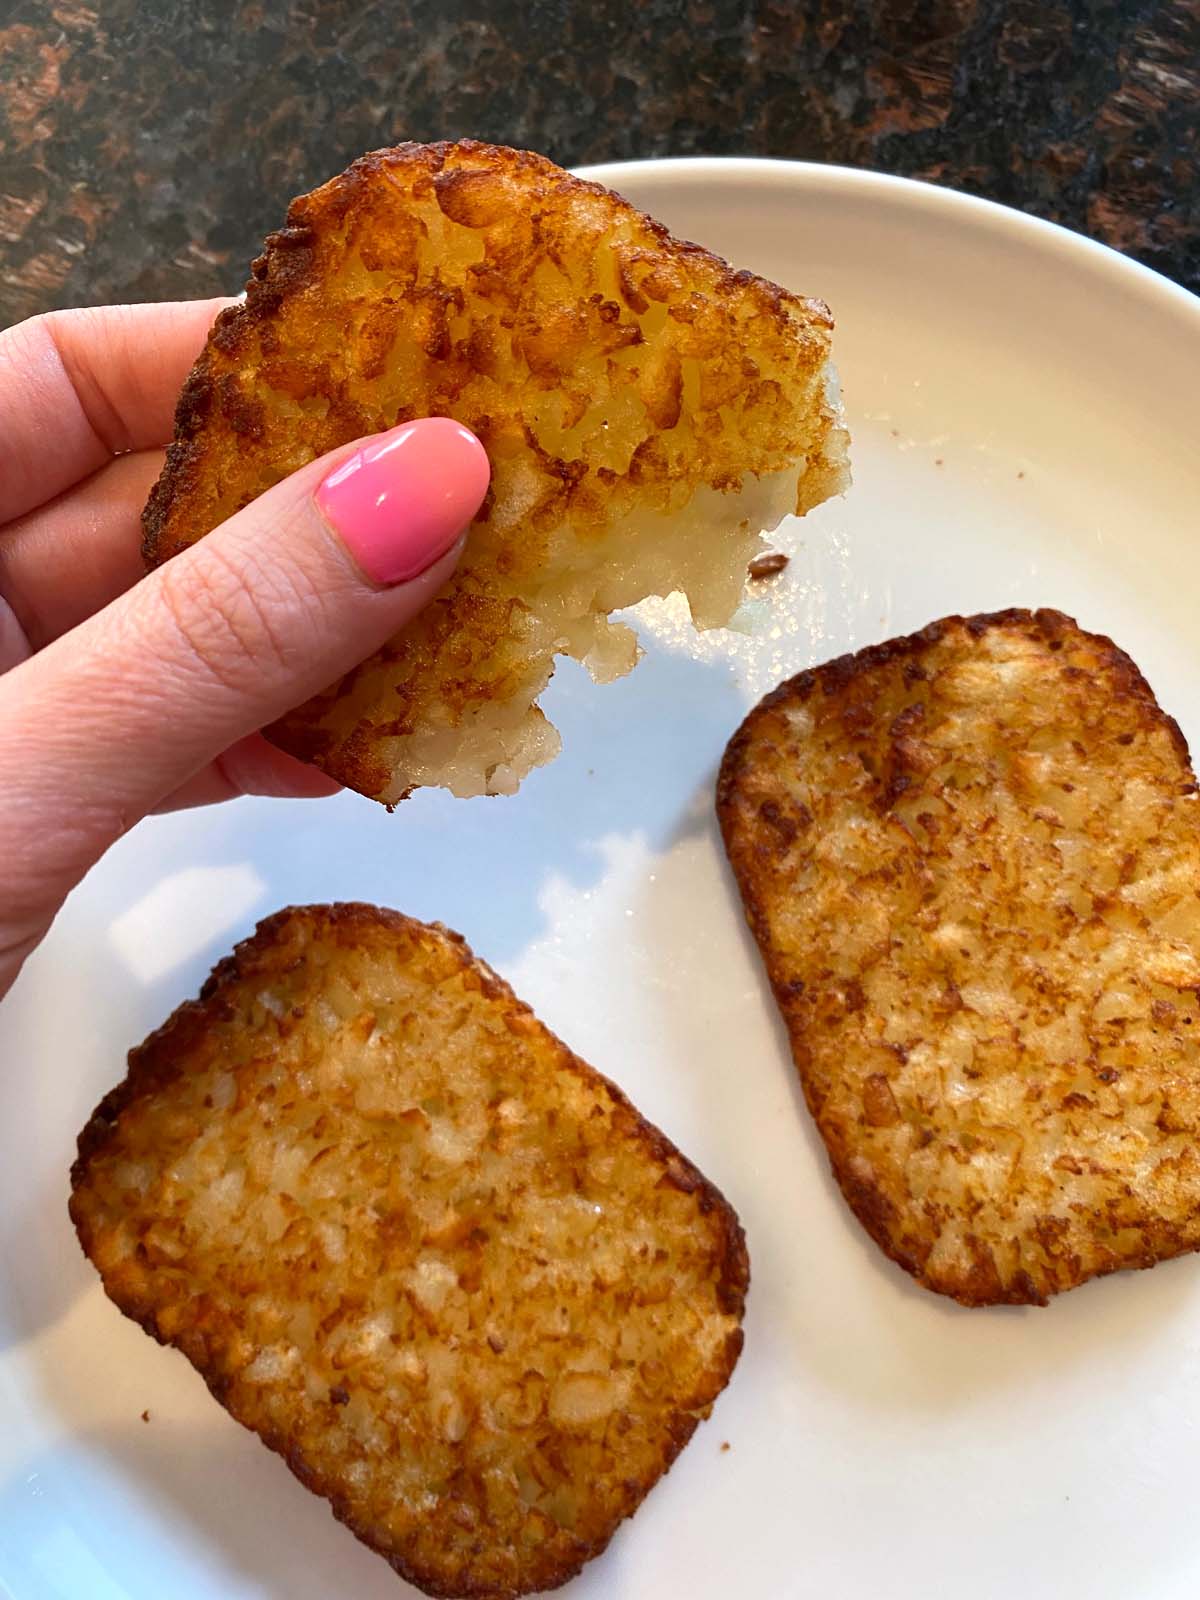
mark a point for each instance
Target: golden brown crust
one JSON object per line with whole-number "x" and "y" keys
{"x": 458, "y": 1503}
{"x": 624, "y": 383}
{"x": 970, "y": 860}
{"x": 289, "y": 267}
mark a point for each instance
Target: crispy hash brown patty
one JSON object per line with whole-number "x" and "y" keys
{"x": 429, "y": 1256}
{"x": 647, "y": 412}
{"x": 970, "y": 859}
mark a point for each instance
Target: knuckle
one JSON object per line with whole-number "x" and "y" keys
{"x": 235, "y": 620}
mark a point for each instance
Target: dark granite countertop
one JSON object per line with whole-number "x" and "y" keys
{"x": 146, "y": 146}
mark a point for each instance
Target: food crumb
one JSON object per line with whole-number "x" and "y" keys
{"x": 767, "y": 564}
{"x": 895, "y": 433}
{"x": 938, "y": 462}
{"x": 145, "y": 1416}
{"x": 724, "y": 1444}
{"x": 1020, "y": 474}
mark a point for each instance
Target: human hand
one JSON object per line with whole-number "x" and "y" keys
{"x": 123, "y": 693}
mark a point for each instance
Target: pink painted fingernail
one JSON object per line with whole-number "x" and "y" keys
{"x": 401, "y": 501}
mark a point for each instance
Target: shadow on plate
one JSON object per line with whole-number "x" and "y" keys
{"x": 160, "y": 1508}
{"x": 632, "y": 752}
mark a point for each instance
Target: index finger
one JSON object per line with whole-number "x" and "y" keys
{"x": 78, "y": 387}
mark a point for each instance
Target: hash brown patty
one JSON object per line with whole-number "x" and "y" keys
{"x": 428, "y": 1255}
{"x": 970, "y": 860}
{"x": 647, "y": 412}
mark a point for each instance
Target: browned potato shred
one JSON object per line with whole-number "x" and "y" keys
{"x": 647, "y": 412}
{"x": 971, "y": 861}
{"x": 429, "y": 1256}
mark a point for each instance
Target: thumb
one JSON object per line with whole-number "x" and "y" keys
{"x": 270, "y": 608}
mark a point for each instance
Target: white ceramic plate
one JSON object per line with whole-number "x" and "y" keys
{"x": 1023, "y": 405}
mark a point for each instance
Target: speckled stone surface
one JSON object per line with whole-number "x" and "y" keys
{"x": 146, "y": 146}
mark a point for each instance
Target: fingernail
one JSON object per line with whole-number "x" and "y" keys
{"x": 400, "y": 502}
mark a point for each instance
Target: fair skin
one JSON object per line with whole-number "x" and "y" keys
{"x": 123, "y": 693}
